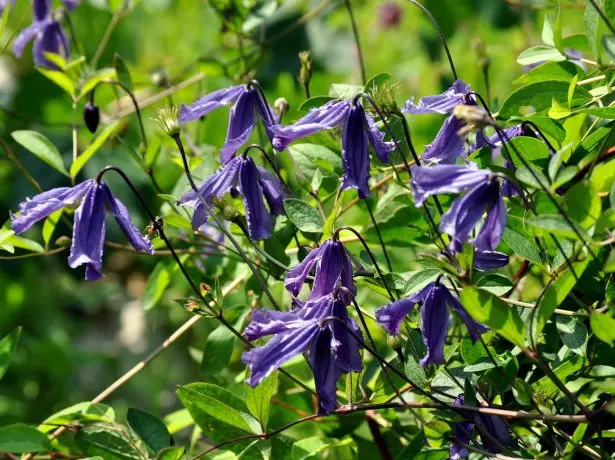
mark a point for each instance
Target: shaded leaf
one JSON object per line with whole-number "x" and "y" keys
{"x": 41, "y": 147}
{"x": 152, "y": 431}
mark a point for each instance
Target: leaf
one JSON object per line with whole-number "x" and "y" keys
{"x": 41, "y": 147}
{"x": 106, "y": 440}
{"x": 258, "y": 399}
{"x": 539, "y": 96}
{"x": 591, "y": 21}
{"x": 555, "y": 295}
{"x": 220, "y": 404}
{"x": 309, "y": 157}
{"x": 80, "y": 412}
{"x": 218, "y": 350}
{"x": 487, "y": 309}
{"x": 107, "y": 73}
{"x": 522, "y": 392}
{"x": 310, "y": 447}
{"x": 157, "y": 283}
{"x": 495, "y": 283}
{"x": 107, "y": 133}
{"x": 562, "y": 71}
{"x": 50, "y": 225}
{"x": 544, "y": 224}
{"x": 533, "y": 177}
{"x": 60, "y": 79}
{"x": 304, "y": 216}
{"x": 171, "y": 453}
{"x": 414, "y": 351}
{"x": 608, "y": 41}
{"x": 344, "y": 91}
{"x": 573, "y": 333}
{"x": 529, "y": 148}
{"x": 545, "y": 385}
{"x": 521, "y": 246}
{"x": 600, "y": 112}
{"x": 419, "y": 280}
{"x": 152, "y": 431}
{"x": 609, "y": 9}
{"x": 7, "y": 348}
{"x": 603, "y": 327}
{"x": 122, "y": 71}
{"x": 583, "y": 204}
{"x": 540, "y": 54}
{"x": 20, "y": 438}
{"x": 437, "y": 433}
{"x": 313, "y": 102}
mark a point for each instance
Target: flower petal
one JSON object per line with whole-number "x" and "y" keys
{"x": 441, "y": 103}
{"x": 208, "y": 103}
{"x": 346, "y": 346}
{"x": 46, "y": 203}
{"x": 491, "y": 232}
{"x": 434, "y": 325}
{"x": 487, "y": 260}
{"x": 494, "y": 433}
{"x": 326, "y": 371}
{"x": 240, "y": 124}
{"x": 334, "y": 267}
{"x": 474, "y": 328}
{"x": 392, "y": 315}
{"x": 296, "y": 276}
{"x": 41, "y": 9}
{"x": 382, "y": 148}
{"x": 51, "y": 40}
{"x": 259, "y": 219}
{"x": 434, "y": 180}
{"x": 267, "y": 322}
{"x": 273, "y": 191}
{"x": 355, "y": 152}
{"x": 448, "y": 145}
{"x": 25, "y": 37}
{"x": 119, "y": 211}
{"x": 328, "y": 116}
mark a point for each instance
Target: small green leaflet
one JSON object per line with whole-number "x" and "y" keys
{"x": 7, "y": 348}
{"x": 21, "y": 438}
{"x": 258, "y": 399}
{"x": 152, "y": 431}
{"x": 41, "y": 147}
{"x": 304, "y": 216}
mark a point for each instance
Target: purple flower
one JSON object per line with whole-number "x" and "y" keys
{"x": 359, "y": 130}
{"x": 466, "y": 211}
{"x": 434, "y": 314}
{"x": 89, "y": 224}
{"x": 331, "y": 265}
{"x": 462, "y": 434}
{"x": 247, "y": 104}
{"x": 253, "y": 182}
{"x": 331, "y": 349}
{"x": 47, "y": 34}
{"x": 447, "y": 145}
{"x": 487, "y": 260}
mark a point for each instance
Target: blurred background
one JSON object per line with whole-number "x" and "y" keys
{"x": 77, "y": 336}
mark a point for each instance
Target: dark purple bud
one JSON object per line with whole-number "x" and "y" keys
{"x": 390, "y": 15}
{"x": 91, "y": 116}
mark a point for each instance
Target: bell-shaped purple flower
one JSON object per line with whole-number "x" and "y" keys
{"x": 447, "y": 145}
{"x": 89, "y": 225}
{"x": 331, "y": 349}
{"x": 358, "y": 131}
{"x": 466, "y": 211}
{"x": 47, "y": 34}
{"x": 330, "y": 264}
{"x": 434, "y": 314}
{"x": 253, "y": 183}
{"x": 247, "y": 105}
{"x": 488, "y": 260}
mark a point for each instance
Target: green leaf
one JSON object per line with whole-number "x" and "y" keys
{"x": 539, "y": 96}
{"x": 122, "y": 71}
{"x": 545, "y": 386}
{"x": 540, "y": 54}
{"x": 80, "y": 412}
{"x": 106, "y": 440}
{"x": 60, "y": 79}
{"x": 561, "y": 71}
{"x": 316, "y": 180}
{"x": 555, "y": 295}
{"x": 305, "y": 217}
{"x": 573, "y": 333}
{"x": 609, "y": 9}
{"x": 110, "y": 131}
{"x": 533, "y": 177}
{"x": 603, "y": 326}
{"x": 158, "y": 282}
{"x": 608, "y": 41}
{"x": 20, "y": 438}
{"x": 529, "y": 148}
{"x": 591, "y": 20}
{"x": 495, "y": 283}
{"x": 544, "y": 224}
{"x": 487, "y": 309}
{"x": 50, "y": 225}
{"x": 522, "y": 392}
{"x": 344, "y": 91}
{"x": 218, "y": 350}
{"x": 171, "y": 453}
{"x": 41, "y": 147}
{"x": 309, "y": 448}
{"x": 437, "y": 433}
{"x": 521, "y": 246}
{"x": 152, "y": 431}
{"x": 309, "y": 157}
{"x": 220, "y": 404}
{"x": 609, "y": 265}
{"x": 314, "y": 102}
{"x": 107, "y": 73}
{"x": 258, "y": 399}
{"x": 583, "y": 204}
{"x": 600, "y": 112}
{"x": 7, "y": 348}
{"x": 414, "y": 351}
{"x": 420, "y": 279}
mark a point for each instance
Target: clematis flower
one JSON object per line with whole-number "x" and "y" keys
{"x": 46, "y": 32}
{"x": 247, "y": 104}
{"x": 331, "y": 349}
{"x": 435, "y": 298}
{"x": 359, "y": 130}
{"x": 483, "y": 195}
{"x": 253, "y": 182}
{"x": 447, "y": 145}
{"x": 89, "y": 224}
{"x": 487, "y": 260}
{"x": 330, "y": 263}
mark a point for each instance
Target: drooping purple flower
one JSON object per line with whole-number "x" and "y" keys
{"x": 89, "y": 224}
{"x": 358, "y": 131}
{"x": 247, "y": 105}
{"x": 331, "y": 349}
{"x": 330, "y": 263}
{"x": 447, "y": 145}
{"x": 253, "y": 183}
{"x": 47, "y": 34}
{"x": 487, "y": 260}
{"x": 435, "y": 297}
{"x": 483, "y": 196}
{"x": 462, "y": 434}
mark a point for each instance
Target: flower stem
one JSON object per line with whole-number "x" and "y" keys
{"x": 603, "y": 16}
{"x": 384, "y": 248}
{"x": 355, "y": 32}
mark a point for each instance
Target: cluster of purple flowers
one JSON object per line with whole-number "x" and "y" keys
{"x": 47, "y": 33}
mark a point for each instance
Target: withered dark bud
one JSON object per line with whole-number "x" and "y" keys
{"x": 91, "y": 116}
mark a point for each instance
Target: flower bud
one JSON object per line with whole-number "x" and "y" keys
{"x": 305, "y": 74}
{"x": 91, "y": 116}
{"x": 475, "y": 118}
{"x": 227, "y": 211}
{"x": 167, "y": 119}
{"x": 280, "y": 106}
